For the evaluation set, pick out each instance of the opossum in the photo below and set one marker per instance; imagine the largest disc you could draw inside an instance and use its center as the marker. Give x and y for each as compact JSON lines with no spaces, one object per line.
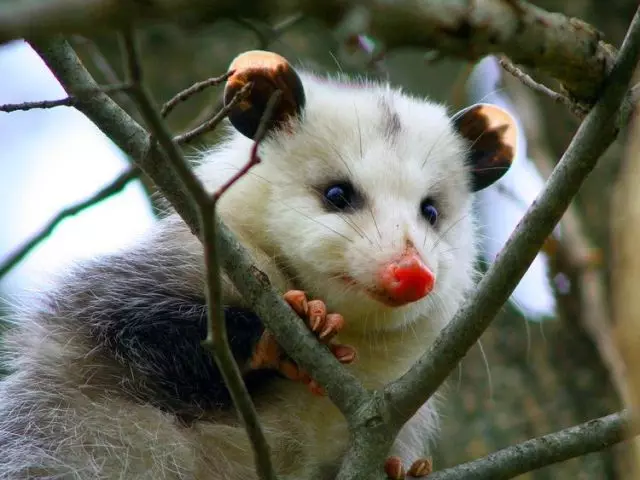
{"x":360,"y":215}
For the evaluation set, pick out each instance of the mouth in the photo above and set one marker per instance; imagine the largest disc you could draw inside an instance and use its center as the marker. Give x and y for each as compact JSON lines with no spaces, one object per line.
{"x":374,"y":293}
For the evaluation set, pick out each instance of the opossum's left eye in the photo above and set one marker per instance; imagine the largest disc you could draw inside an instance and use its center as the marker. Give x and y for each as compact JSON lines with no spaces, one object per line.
{"x":429,"y":211}
{"x":341,"y":196}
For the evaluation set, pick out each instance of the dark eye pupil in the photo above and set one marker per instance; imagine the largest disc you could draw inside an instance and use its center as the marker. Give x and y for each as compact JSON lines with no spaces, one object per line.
{"x":339,"y":196}
{"x":429,"y":211}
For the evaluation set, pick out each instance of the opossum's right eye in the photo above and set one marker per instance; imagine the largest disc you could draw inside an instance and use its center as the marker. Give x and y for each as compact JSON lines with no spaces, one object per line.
{"x":341,"y":196}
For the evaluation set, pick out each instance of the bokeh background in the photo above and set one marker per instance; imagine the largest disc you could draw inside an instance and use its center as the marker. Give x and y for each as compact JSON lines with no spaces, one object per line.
{"x":532,"y":375}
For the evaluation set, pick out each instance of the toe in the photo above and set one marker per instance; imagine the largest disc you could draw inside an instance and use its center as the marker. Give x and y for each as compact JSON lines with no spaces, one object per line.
{"x":421,"y":467}
{"x":267,"y":352}
{"x":316,"y":388}
{"x":317,"y":315}
{"x":297,"y":300}
{"x":394,"y":469}
{"x":332,"y":325}
{"x":292,"y":371}
{"x":344,"y":353}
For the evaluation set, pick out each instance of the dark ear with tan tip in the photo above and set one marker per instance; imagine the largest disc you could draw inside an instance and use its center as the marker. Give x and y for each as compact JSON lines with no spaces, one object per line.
{"x":268,"y":72}
{"x":492,"y":134}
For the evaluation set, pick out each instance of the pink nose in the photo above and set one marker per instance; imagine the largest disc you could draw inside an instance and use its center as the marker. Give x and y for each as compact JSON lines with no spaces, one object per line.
{"x":407,"y":279}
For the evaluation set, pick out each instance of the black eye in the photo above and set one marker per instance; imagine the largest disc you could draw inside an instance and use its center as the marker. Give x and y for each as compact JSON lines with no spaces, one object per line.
{"x":340,"y":196}
{"x":429,"y":210}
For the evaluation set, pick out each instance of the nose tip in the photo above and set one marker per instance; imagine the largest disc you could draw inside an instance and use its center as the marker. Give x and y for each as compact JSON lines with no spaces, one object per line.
{"x":407,"y":279}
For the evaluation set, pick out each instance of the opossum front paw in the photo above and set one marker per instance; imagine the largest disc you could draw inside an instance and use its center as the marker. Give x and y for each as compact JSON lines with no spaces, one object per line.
{"x":395,"y":470}
{"x":314,"y":312}
{"x":269,"y":354}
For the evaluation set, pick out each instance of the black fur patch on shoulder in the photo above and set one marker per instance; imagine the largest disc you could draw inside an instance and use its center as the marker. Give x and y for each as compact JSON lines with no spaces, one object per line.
{"x":145,"y":313}
{"x":165,"y":341}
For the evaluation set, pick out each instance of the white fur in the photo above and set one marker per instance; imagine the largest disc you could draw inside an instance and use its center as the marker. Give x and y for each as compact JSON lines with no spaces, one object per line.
{"x":276,"y":211}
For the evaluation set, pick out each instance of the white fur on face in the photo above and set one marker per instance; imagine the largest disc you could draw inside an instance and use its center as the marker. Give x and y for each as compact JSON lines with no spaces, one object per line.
{"x":396,"y":151}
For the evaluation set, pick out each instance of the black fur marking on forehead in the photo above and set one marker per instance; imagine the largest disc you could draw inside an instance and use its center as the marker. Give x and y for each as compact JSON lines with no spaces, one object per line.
{"x":391,"y":124}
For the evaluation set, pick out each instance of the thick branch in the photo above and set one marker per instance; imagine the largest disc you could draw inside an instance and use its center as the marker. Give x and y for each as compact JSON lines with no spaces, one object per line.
{"x":595,"y":134}
{"x":510,"y":462}
{"x":565,"y":48}
{"x":342,"y":387}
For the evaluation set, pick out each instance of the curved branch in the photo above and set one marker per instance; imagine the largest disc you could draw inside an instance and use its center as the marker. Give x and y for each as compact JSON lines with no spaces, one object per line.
{"x":111,"y":189}
{"x":565,"y":48}
{"x":510,"y":462}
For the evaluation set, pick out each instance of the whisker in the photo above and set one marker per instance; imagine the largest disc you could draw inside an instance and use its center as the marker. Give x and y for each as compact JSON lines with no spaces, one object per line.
{"x":486,"y":364}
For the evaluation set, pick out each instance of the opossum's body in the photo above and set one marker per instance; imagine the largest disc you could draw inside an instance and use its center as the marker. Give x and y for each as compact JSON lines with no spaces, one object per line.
{"x":110,"y":380}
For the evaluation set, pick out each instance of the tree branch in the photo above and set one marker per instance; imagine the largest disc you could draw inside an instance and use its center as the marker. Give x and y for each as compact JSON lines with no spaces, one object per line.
{"x":510,"y":462}
{"x":62,"y":102}
{"x":595,"y":134}
{"x":212,"y":123}
{"x":217,"y":340}
{"x":192,"y":90}
{"x":577,"y":110}
{"x":565,"y":48}
{"x":114,"y":187}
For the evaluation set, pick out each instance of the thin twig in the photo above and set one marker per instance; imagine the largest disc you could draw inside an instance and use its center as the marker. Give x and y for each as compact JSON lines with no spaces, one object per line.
{"x":557,"y":97}
{"x":205,"y":206}
{"x":192,"y":90}
{"x":588,"y":437}
{"x":217,"y":339}
{"x":69,"y":101}
{"x":15,"y":107}
{"x":254,"y":158}
{"x":595,"y":134}
{"x":213,"y":123}
{"x":111,"y":189}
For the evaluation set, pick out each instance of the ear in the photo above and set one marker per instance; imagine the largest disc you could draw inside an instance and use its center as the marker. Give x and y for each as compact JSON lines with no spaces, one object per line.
{"x":492,"y":134}
{"x":267,"y":72}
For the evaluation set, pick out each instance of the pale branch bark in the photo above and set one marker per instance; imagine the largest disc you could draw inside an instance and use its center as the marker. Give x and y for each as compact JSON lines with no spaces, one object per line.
{"x":565,"y":48}
{"x":595,"y":134}
{"x":588,"y":437}
{"x":111,"y":189}
{"x":217,"y":340}
{"x":69,"y":101}
{"x":342,"y":387}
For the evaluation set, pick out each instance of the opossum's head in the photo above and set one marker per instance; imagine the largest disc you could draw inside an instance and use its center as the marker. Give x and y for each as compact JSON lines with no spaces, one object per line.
{"x":363,"y":192}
